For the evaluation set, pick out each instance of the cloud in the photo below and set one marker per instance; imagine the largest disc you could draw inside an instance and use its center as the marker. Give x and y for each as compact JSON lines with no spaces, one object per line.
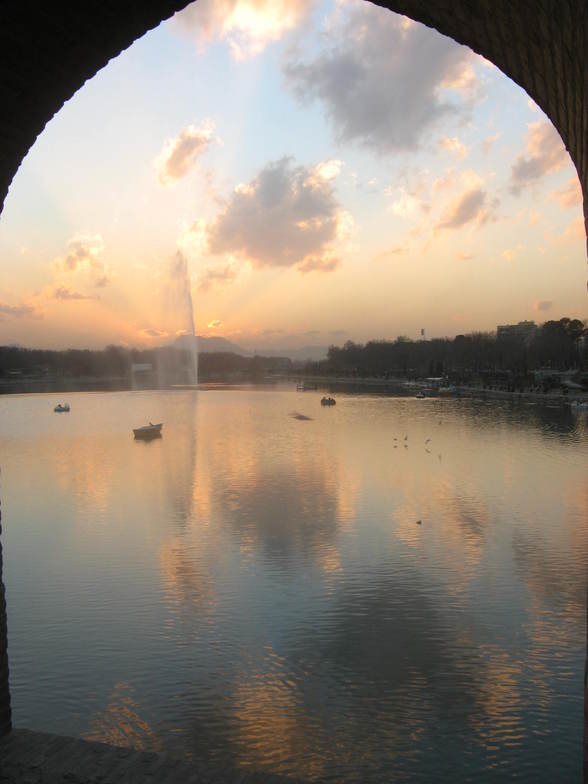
{"x":570,"y":195}
{"x":179,"y":155}
{"x":395,"y":251}
{"x":533,"y":106}
{"x":489,"y":141}
{"x":330,"y":169}
{"x":215,"y":324}
{"x":217,"y":276}
{"x":62,"y":292}
{"x":543,"y":304}
{"x":575,"y":231}
{"x":545,"y":154}
{"x":84,"y":254}
{"x":324,"y":263}
{"x":470,"y":207}
{"x":288,"y":215}
{"x":407,"y":204}
{"x":446,"y":182}
{"x":151,"y":332}
{"x":248,"y":26}
{"x":383,"y":83}
{"x":452,"y":144}
{"x":23,"y":311}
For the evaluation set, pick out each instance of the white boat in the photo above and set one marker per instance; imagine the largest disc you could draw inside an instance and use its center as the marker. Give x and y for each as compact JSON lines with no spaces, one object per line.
{"x":148,"y":431}
{"x":59,"y":408}
{"x":420,"y":396}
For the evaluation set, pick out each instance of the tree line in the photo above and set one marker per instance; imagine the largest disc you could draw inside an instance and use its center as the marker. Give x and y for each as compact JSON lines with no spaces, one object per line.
{"x":168,"y":362}
{"x":557,"y":345}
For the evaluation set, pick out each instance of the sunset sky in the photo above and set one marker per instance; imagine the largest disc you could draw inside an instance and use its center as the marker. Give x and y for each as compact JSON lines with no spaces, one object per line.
{"x":327,"y":170}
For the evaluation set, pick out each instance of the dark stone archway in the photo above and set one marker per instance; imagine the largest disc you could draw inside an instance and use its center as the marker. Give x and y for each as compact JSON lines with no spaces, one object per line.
{"x":48,"y":51}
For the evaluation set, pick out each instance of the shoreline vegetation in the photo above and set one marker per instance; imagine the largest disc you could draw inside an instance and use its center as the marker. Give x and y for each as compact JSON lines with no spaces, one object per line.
{"x":521,"y":360}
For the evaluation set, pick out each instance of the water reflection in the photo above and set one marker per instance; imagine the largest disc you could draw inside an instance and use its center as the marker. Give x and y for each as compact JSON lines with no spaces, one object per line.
{"x":255,"y":590}
{"x":120,"y":723}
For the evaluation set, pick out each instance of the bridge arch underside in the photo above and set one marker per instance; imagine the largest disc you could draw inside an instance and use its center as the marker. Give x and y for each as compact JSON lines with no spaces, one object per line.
{"x":48,"y":51}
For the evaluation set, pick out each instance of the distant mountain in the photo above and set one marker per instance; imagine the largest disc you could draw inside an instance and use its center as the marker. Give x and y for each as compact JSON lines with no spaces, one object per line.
{"x":314,"y":353}
{"x":211,"y":345}
{"x":217,"y":344}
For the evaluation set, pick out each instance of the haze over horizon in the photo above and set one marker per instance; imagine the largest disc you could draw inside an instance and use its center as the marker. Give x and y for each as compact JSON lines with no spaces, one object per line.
{"x":327,"y":170}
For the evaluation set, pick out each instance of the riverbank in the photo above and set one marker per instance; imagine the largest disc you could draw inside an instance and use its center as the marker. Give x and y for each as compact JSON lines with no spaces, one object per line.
{"x":38,"y":757}
{"x":409,"y":388}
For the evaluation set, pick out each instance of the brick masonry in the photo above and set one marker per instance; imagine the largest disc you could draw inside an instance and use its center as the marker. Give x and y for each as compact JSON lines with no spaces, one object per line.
{"x":48,"y":51}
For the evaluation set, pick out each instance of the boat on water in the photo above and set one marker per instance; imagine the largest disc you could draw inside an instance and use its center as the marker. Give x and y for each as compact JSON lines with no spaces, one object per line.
{"x":579,"y":404}
{"x":148,"y":431}
{"x":420,"y":396}
{"x":60,"y":408}
{"x":328,"y":401}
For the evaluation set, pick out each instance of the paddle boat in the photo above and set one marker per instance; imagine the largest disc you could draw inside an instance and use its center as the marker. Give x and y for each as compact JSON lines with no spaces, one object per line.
{"x":148,"y":431}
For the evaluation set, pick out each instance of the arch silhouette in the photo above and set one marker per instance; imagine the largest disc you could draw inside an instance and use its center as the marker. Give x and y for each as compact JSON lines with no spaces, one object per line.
{"x":47,"y":55}
{"x":48,"y":51}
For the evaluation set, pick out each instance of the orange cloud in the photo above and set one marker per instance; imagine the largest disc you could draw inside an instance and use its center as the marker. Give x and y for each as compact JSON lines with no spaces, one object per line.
{"x":545,"y":154}
{"x":570,"y":195}
{"x":452,"y":144}
{"x":248,"y":26}
{"x":489,"y":141}
{"x":63,"y":293}
{"x":179,"y":155}
{"x":470,"y":207}
{"x":23,"y":311}
{"x":85,"y":254}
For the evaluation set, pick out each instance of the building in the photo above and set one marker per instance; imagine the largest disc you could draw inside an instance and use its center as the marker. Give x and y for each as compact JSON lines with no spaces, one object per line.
{"x":524,"y":331}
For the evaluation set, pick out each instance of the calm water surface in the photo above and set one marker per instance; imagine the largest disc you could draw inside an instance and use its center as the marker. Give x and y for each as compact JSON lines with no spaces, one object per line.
{"x":253,"y":590}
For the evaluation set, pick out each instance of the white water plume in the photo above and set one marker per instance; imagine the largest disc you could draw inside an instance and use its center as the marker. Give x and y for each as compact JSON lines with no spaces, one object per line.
{"x":181,"y":301}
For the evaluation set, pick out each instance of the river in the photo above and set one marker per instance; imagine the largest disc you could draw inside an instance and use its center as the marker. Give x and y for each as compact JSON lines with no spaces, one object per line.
{"x":393,"y":589}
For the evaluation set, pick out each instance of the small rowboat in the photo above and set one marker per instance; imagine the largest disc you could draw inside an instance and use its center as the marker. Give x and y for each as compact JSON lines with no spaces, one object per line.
{"x":148,"y":431}
{"x":59,"y":409}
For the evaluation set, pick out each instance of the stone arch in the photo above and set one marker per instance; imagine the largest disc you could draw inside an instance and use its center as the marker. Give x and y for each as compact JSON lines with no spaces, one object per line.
{"x":49,"y":51}
{"x":48,"y":54}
